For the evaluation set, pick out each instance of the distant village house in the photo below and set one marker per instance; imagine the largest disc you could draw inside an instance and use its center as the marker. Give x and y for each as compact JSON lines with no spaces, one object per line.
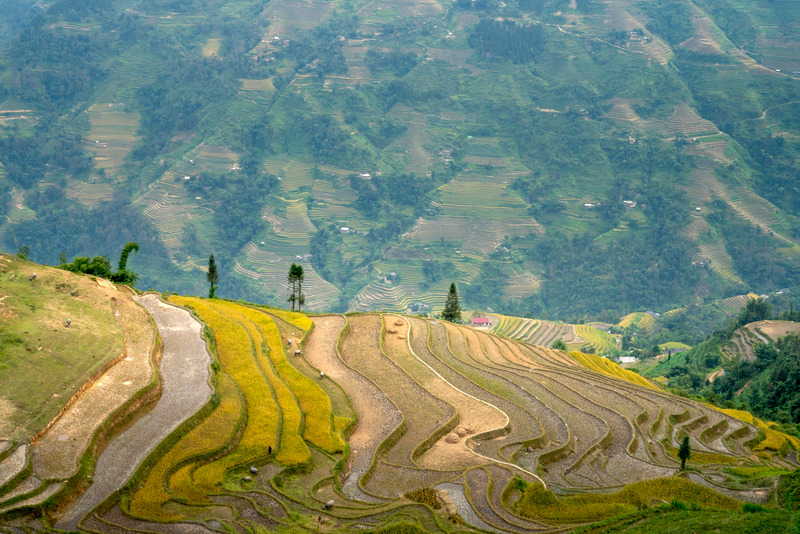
{"x":481,"y":322}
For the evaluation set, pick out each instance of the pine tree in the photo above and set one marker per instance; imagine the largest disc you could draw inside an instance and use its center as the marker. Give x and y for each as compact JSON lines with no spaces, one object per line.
{"x":684,"y":452}
{"x":212,"y":277}
{"x":452,"y":311}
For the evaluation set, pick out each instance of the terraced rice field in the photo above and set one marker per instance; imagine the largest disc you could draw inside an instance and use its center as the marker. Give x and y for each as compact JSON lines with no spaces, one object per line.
{"x":440,"y":408}
{"x":522,"y":285}
{"x":212,"y":158}
{"x":683,"y":120}
{"x":269,"y":270}
{"x":644,"y":321}
{"x":483,"y":200}
{"x":473,"y":235}
{"x":544,"y":333}
{"x":112,"y":135}
{"x":89,"y":194}
{"x":168,"y":205}
{"x":746,"y":338}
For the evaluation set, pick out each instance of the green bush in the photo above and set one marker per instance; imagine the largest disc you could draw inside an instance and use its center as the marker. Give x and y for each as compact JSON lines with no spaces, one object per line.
{"x":752,"y":508}
{"x":677,"y":504}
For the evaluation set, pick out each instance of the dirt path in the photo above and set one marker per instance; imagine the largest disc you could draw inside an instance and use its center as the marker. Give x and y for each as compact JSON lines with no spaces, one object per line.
{"x":185,"y":373}
{"x":377,"y":417}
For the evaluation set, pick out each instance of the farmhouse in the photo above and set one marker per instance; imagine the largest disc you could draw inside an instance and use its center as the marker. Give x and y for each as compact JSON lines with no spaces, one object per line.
{"x":482,"y":322}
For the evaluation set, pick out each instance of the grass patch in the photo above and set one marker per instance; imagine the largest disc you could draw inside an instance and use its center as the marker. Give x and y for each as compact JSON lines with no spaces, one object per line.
{"x":535,"y":502}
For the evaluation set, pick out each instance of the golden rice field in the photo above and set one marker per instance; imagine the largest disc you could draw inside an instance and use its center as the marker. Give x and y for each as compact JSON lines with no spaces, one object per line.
{"x":644,"y":321}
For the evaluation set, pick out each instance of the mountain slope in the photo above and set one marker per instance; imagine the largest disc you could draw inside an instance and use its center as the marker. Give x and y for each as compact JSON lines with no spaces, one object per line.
{"x":571,"y":157}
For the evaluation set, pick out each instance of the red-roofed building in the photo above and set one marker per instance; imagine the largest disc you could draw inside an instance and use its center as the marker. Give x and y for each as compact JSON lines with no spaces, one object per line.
{"x":483,"y":322}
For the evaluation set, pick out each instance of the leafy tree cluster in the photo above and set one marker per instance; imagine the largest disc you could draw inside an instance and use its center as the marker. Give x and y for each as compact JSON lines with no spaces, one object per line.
{"x":771,"y":380}
{"x":177,"y":99}
{"x":237,"y":198}
{"x":670,"y":19}
{"x":61,"y":227}
{"x":101,"y":267}
{"x":26,"y":159}
{"x":755,"y":252}
{"x":398,"y":63}
{"x":507,"y":39}
{"x":383,"y":192}
{"x":584,"y":275}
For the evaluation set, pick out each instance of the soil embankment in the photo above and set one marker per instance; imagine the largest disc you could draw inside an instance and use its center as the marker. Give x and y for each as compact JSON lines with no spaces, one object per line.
{"x":185,"y":382}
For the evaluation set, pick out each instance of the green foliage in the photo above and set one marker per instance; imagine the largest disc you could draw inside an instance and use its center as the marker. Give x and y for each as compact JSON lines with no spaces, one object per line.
{"x":100,"y":266}
{"x":670,"y":19}
{"x":212,"y":277}
{"x":685,"y":451}
{"x":789,"y":490}
{"x":295,"y":278}
{"x":123,"y":274}
{"x":676,"y":504}
{"x":752,"y":508}
{"x":559,"y":344}
{"x":756,"y":309}
{"x":452,"y":310}
{"x":506,"y":38}
{"x":399,"y":528}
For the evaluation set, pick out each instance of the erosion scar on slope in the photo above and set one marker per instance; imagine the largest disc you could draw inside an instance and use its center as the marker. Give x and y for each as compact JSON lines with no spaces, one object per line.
{"x":185,"y":376}
{"x":377,"y":416}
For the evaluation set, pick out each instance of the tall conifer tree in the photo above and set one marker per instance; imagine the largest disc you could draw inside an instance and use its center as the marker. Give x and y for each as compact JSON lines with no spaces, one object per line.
{"x":452,"y":311}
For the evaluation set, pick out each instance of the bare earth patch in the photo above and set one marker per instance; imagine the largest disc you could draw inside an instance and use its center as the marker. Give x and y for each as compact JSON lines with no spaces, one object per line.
{"x":7,"y":410}
{"x":776,"y":329}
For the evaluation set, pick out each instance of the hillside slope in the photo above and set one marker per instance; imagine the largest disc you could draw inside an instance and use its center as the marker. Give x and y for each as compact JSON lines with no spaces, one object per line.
{"x":632,"y":155}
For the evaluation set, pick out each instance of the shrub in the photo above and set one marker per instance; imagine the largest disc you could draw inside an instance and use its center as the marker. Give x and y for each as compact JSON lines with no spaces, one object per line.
{"x":426,"y":496}
{"x":751,"y":508}
{"x":676,"y":504}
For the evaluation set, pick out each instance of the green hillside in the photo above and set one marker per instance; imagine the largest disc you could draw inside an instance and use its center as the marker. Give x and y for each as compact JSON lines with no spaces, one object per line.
{"x":551,"y":157}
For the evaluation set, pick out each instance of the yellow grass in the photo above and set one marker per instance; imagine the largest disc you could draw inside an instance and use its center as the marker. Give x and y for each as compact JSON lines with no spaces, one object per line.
{"x":607,"y":367}
{"x":183,"y":487}
{"x":674,"y":345}
{"x":216,"y":430}
{"x":601,"y":340}
{"x":211,"y":48}
{"x":300,"y":320}
{"x":257,"y":85}
{"x":235,"y":351}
